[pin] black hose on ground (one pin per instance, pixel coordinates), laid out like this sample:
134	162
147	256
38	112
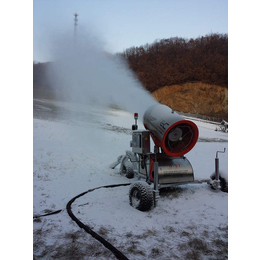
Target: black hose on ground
119	255
47	214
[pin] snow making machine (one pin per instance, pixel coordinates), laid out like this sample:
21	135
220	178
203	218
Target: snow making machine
166	166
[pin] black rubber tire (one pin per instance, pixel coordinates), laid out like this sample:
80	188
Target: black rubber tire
223	184
141	196
128	169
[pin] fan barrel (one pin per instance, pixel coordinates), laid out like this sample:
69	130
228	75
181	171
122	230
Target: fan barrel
175	135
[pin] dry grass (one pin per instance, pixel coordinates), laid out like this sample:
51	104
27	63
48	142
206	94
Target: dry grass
205	246
71	245
172	242
197	98
195	243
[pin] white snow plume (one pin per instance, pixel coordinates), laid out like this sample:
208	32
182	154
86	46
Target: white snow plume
87	74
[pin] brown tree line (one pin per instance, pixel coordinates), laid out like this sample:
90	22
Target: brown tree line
178	60
169	61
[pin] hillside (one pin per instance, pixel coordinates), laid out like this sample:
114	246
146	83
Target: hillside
196	98
187	75
190	75
177	60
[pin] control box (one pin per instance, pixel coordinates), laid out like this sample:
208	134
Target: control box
141	141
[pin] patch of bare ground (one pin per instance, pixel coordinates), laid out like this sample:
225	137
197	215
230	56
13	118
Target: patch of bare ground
78	245
196	98
192	242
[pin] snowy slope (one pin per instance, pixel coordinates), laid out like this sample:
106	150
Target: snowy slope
73	148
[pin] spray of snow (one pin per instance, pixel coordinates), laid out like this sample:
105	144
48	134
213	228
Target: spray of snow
85	73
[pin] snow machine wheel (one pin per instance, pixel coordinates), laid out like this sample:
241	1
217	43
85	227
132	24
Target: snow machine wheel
141	196
128	169
223	184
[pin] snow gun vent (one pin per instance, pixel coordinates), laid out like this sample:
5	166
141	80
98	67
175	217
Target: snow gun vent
175	135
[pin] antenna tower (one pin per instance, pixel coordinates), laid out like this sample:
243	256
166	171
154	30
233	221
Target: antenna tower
75	27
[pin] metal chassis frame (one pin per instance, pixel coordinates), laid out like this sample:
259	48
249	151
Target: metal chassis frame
136	162
135	159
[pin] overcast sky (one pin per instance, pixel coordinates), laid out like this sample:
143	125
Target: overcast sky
120	24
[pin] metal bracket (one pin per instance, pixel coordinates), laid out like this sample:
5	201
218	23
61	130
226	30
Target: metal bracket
220	152
216	183
156	182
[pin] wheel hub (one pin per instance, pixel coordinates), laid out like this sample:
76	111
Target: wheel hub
135	199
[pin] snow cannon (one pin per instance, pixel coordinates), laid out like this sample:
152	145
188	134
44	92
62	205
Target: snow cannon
166	166
175	135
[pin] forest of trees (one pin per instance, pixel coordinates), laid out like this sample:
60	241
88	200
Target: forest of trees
169	61
177	60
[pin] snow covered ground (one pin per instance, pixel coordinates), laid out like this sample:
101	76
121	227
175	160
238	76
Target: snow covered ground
73	148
